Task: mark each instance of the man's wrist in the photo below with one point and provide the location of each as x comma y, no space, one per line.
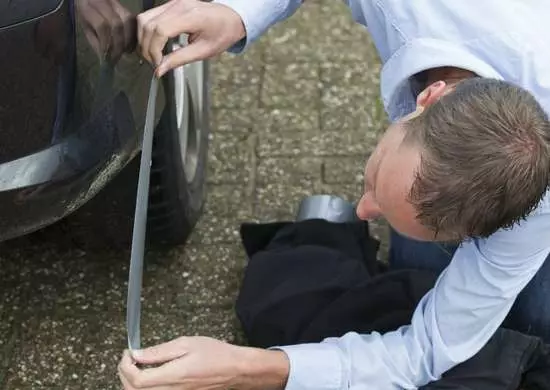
263,369
239,28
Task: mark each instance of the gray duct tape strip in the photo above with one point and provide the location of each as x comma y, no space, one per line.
133,310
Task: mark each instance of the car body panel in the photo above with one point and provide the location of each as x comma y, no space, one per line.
15,12
71,114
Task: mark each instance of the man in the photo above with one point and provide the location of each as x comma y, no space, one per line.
467,158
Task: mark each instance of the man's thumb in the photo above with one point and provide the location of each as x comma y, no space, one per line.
160,353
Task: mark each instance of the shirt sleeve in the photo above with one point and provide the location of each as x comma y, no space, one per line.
452,322
258,16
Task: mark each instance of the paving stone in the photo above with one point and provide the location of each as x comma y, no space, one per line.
60,351
11,296
9,341
318,31
351,98
281,132
216,230
64,283
211,321
350,84
290,85
226,207
340,143
208,275
343,169
280,201
282,144
290,171
347,39
239,69
275,120
233,120
227,201
369,118
236,81
229,158
235,96
326,143
253,55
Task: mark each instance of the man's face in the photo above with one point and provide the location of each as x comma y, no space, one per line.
391,171
389,175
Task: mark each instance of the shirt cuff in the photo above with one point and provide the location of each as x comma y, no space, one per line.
314,367
258,16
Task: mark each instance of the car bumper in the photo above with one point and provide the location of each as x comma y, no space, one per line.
41,188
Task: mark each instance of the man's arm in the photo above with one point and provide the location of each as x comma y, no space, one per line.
258,16
451,323
212,28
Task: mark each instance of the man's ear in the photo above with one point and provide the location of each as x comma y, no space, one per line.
431,94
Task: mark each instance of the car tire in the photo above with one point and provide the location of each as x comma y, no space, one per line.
179,158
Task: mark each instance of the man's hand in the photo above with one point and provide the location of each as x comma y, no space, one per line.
200,363
211,28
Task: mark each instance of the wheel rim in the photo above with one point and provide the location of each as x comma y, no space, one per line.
188,100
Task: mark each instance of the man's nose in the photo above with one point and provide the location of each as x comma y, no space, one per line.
367,208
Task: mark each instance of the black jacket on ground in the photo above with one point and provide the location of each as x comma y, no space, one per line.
310,280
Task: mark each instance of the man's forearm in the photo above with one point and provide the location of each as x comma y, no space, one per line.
261,369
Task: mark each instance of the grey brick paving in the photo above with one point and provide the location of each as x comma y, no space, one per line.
298,114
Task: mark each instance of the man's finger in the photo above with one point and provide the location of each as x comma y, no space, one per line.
166,29
170,24
161,377
127,367
163,352
145,17
185,55
125,384
156,47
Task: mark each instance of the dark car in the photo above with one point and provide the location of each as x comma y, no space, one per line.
73,96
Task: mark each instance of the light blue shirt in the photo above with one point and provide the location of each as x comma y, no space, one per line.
493,38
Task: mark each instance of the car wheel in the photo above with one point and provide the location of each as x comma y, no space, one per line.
180,150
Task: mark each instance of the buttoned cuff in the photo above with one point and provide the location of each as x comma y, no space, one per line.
314,367
258,16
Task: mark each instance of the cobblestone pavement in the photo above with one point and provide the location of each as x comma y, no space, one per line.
296,115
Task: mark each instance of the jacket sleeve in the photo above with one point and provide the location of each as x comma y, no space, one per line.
451,323
258,16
